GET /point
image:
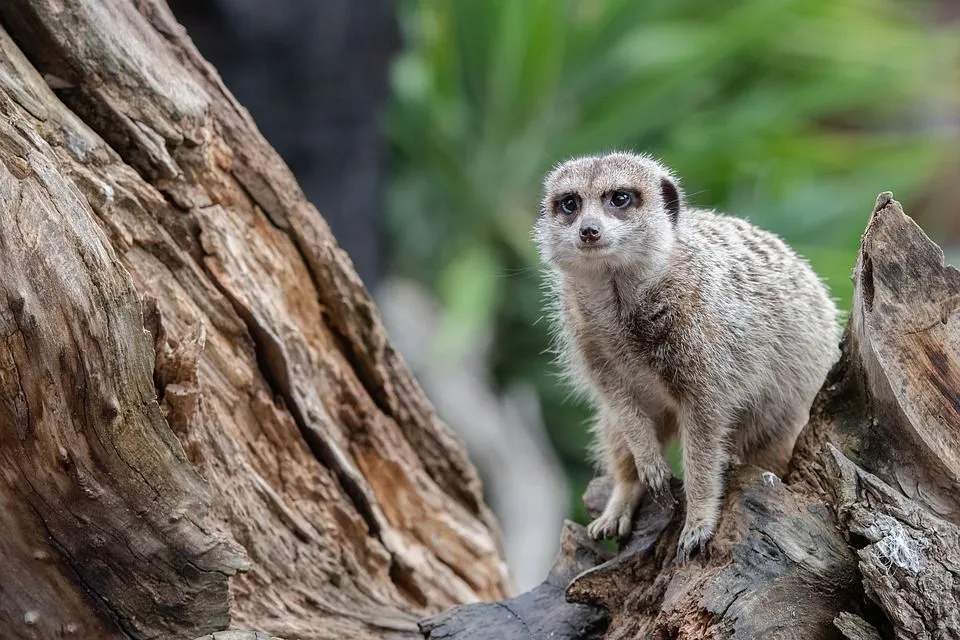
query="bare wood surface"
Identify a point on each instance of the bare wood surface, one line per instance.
(860, 540)
(540, 613)
(202, 423)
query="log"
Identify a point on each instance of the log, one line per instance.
(539, 613)
(203, 426)
(860, 540)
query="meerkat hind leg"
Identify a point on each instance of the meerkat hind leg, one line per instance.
(705, 459)
(617, 517)
(777, 431)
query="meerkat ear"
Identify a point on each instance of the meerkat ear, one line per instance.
(671, 198)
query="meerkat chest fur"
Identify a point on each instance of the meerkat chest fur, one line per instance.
(615, 327)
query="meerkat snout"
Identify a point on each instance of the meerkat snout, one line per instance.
(678, 321)
(590, 231)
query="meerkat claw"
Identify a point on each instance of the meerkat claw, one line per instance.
(601, 528)
(693, 540)
(608, 525)
(655, 477)
(617, 518)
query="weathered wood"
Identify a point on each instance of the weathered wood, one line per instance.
(903, 385)
(908, 558)
(239, 635)
(860, 540)
(202, 423)
(773, 545)
(540, 613)
(853, 627)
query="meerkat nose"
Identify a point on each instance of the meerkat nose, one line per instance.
(589, 232)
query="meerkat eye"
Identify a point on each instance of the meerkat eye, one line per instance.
(621, 199)
(569, 204)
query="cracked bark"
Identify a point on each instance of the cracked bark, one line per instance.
(860, 540)
(202, 424)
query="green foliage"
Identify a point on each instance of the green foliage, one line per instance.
(791, 113)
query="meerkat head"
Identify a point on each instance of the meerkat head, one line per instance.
(618, 209)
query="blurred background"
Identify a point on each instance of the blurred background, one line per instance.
(421, 130)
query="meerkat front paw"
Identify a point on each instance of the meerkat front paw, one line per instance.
(655, 476)
(693, 539)
(617, 518)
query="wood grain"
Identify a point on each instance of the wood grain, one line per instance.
(202, 422)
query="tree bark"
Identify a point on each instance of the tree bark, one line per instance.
(202, 424)
(860, 540)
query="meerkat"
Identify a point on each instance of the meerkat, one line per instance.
(677, 321)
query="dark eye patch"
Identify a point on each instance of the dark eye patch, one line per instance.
(621, 199)
(568, 205)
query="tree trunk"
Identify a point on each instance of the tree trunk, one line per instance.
(202, 424)
(860, 540)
